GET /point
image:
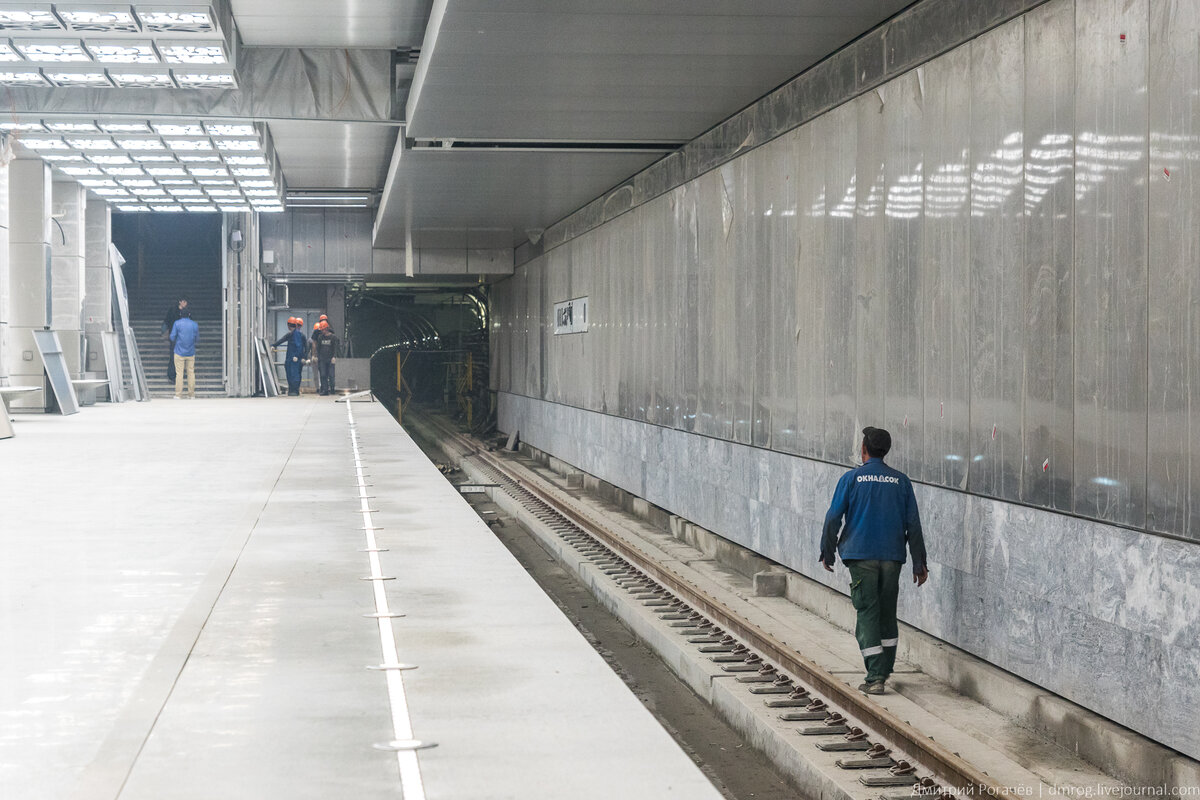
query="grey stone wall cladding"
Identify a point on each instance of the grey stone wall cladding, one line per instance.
(992, 291)
(1104, 616)
(1025, 331)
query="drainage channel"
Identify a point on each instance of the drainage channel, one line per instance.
(883, 751)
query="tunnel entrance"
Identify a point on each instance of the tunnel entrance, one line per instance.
(426, 346)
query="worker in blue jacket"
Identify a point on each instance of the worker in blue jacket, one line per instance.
(297, 350)
(880, 512)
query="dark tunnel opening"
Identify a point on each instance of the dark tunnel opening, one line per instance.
(427, 347)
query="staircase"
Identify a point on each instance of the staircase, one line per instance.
(210, 354)
(151, 296)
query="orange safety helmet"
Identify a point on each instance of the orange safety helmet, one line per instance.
(300, 321)
(324, 318)
(291, 320)
(324, 325)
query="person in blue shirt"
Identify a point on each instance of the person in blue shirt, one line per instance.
(880, 513)
(184, 335)
(297, 350)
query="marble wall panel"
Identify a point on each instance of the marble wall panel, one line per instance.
(1102, 615)
(1047, 424)
(997, 222)
(1173, 485)
(1111, 115)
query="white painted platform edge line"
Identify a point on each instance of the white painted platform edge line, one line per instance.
(411, 784)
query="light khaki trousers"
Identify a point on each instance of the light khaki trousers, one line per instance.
(185, 364)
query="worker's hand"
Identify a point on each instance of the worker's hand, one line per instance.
(828, 567)
(333, 361)
(919, 578)
(294, 358)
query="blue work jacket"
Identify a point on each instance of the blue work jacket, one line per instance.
(880, 512)
(184, 333)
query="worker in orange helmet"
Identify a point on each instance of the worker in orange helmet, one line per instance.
(327, 348)
(297, 346)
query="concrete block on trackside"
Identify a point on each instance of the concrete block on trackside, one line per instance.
(770, 584)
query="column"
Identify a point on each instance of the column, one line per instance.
(4, 279)
(29, 185)
(67, 250)
(97, 298)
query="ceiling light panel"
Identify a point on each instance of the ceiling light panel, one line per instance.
(67, 78)
(52, 51)
(141, 79)
(203, 164)
(71, 126)
(140, 144)
(222, 129)
(91, 143)
(98, 19)
(193, 53)
(24, 77)
(123, 52)
(178, 128)
(110, 160)
(35, 17)
(123, 127)
(8, 54)
(204, 80)
(192, 19)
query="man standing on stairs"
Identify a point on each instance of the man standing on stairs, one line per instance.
(167, 324)
(881, 516)
(184, 334)
(297, 350)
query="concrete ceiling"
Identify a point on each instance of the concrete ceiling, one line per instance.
(490, 198)
(333, 155)
(382, 24)
(620, 70)
(587, 74)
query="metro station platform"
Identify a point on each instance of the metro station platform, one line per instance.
(182, 611)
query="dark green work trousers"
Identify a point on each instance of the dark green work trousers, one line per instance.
(874, 587)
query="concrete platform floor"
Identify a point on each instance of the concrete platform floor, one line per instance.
(181, 616)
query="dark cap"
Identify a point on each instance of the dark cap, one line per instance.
(186, 311)
(877, 441)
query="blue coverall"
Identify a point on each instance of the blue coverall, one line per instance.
(297, 347)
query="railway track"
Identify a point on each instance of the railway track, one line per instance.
(885, 751)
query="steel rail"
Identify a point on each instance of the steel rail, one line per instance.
(944, 764)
